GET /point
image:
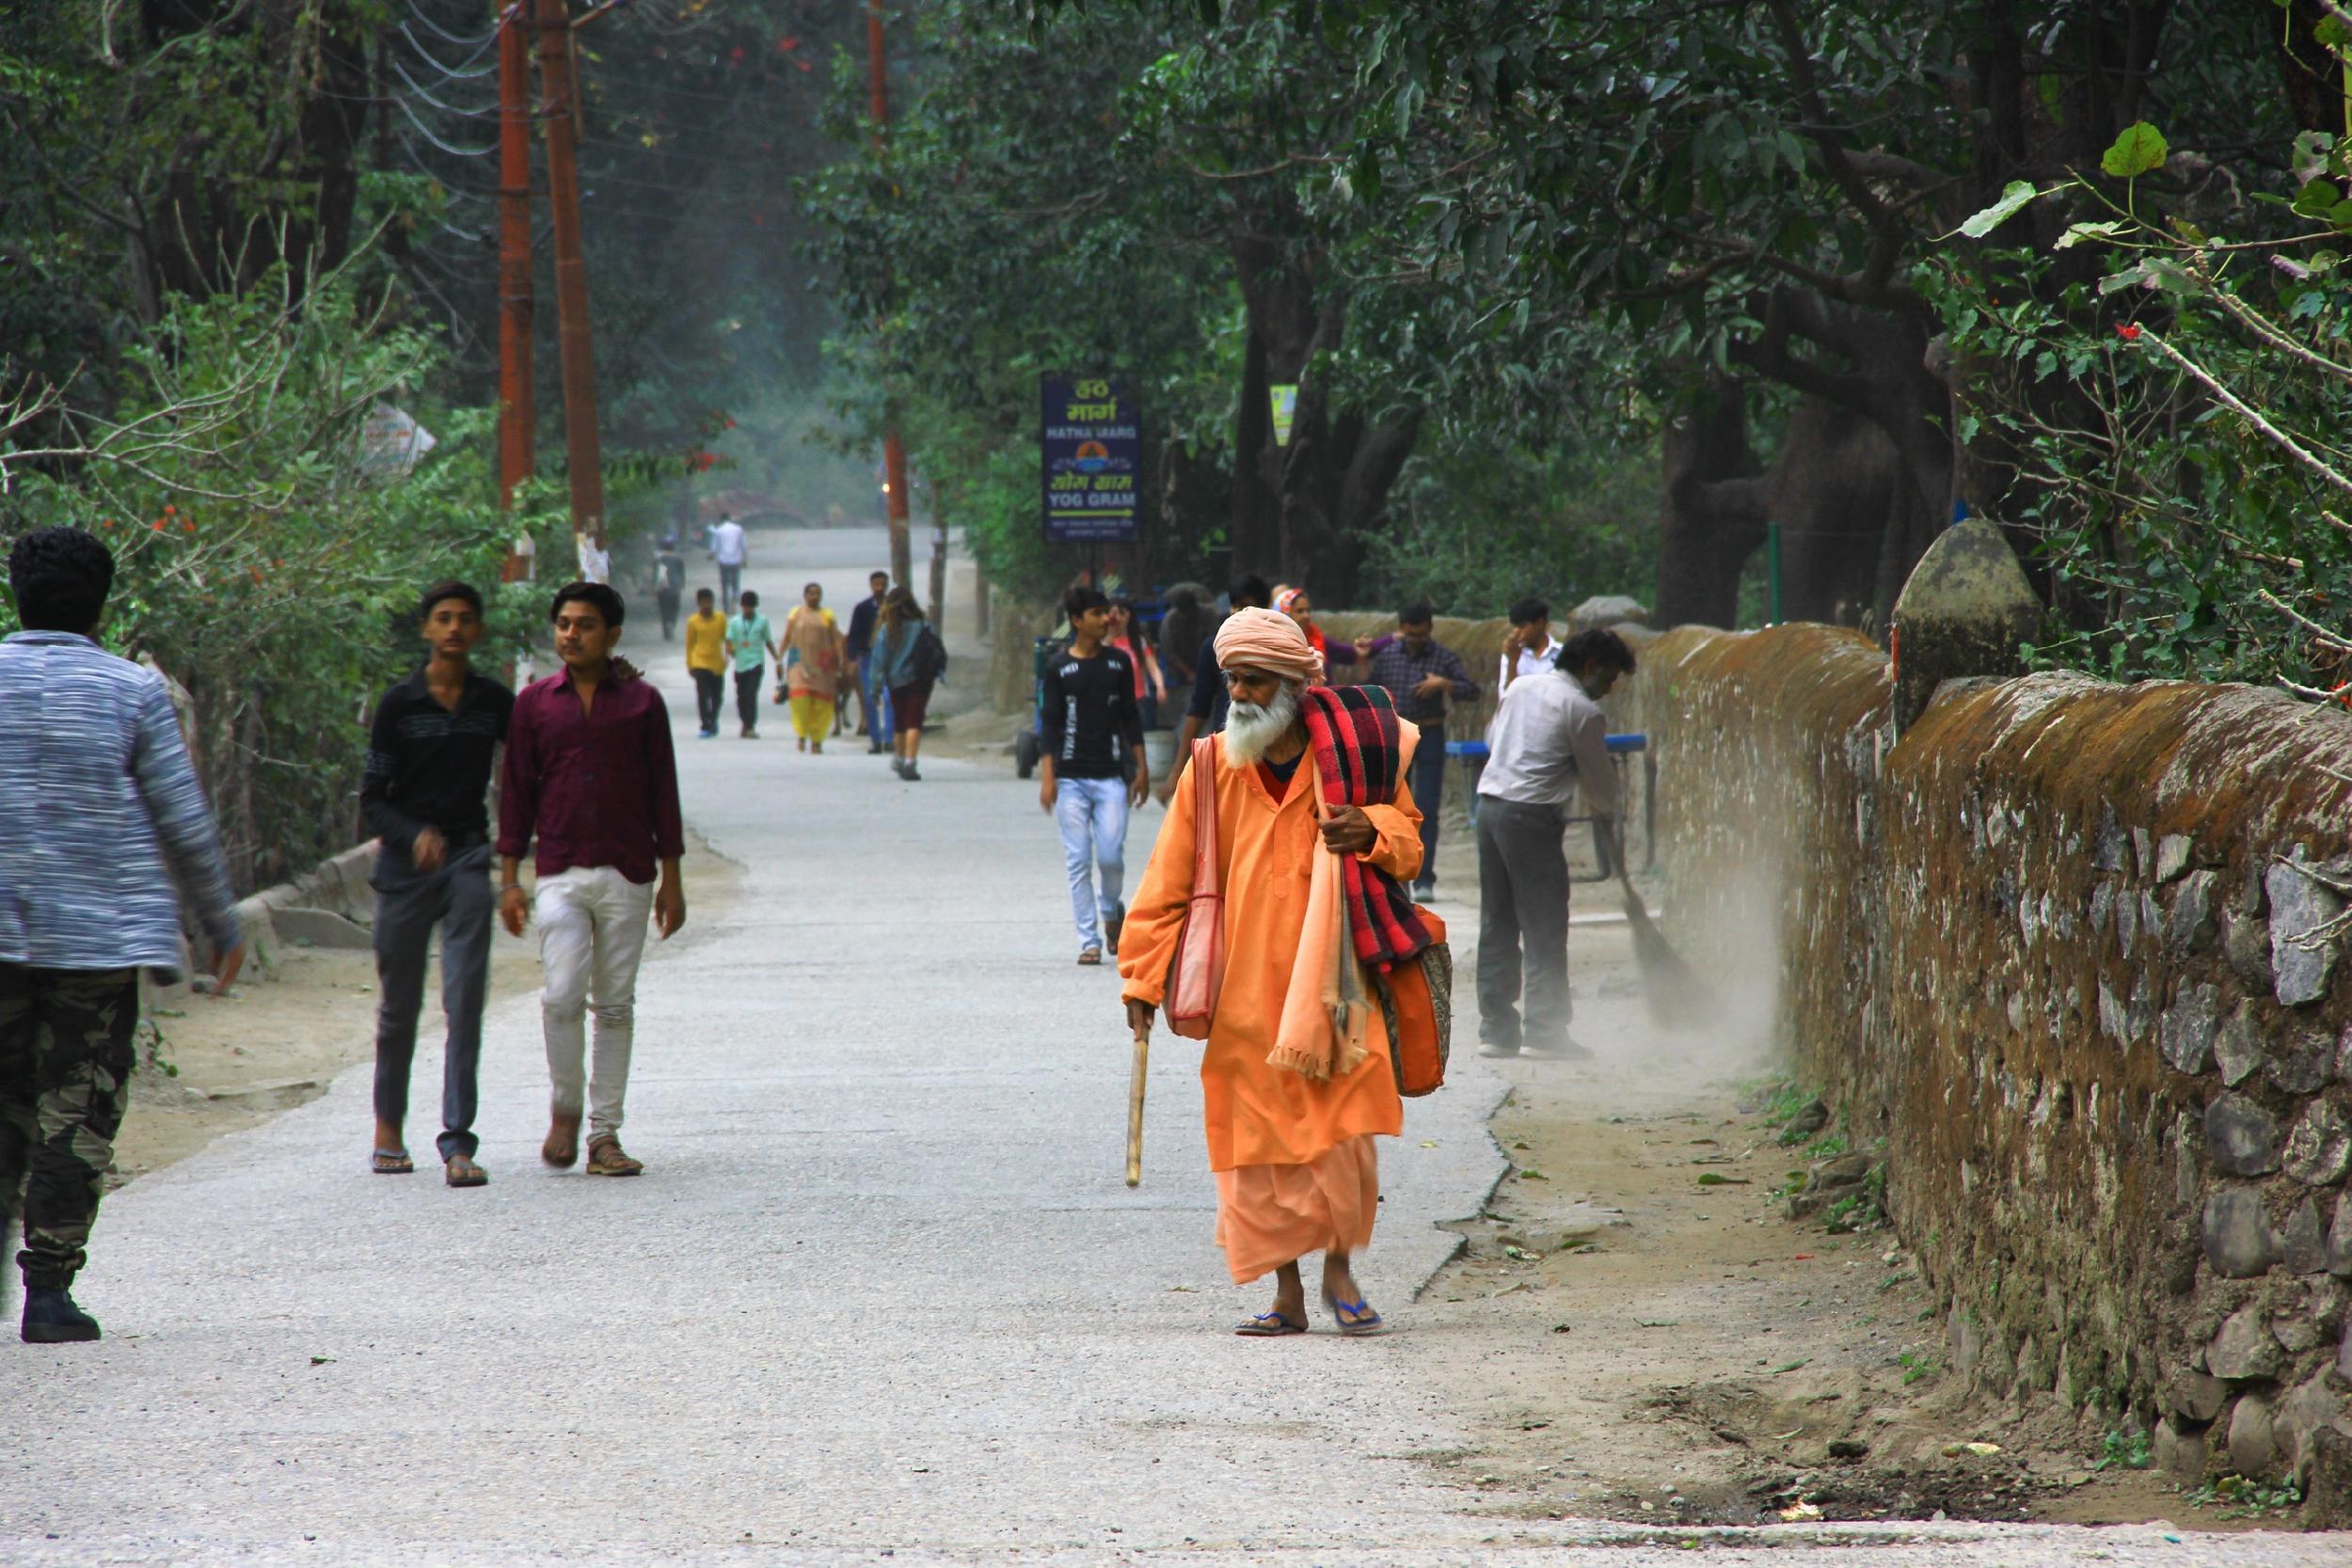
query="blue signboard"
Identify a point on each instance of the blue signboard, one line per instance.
(1092, 450)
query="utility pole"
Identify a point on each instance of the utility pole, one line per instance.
(517, 399)
(583, 453)
(894, 450)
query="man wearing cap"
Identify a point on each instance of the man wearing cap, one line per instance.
(1295, 1088)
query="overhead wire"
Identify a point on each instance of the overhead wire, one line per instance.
(491, 112)
(458, 71)
(442, 32)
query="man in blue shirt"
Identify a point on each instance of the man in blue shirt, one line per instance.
(98, 797)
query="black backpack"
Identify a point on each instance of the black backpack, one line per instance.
(929, 657)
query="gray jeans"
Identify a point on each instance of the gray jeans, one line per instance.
(409, 904)
(1522, 905)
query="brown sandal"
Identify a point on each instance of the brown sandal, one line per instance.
(562, 1149)
(460, 1171)
(607, 1158)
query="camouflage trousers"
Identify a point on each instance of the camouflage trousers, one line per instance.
(66, 1053)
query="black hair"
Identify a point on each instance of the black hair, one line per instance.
(60, 578)
(1082, 599)
(1529, 609)
(702, 594)
(748, 599)
(1418, 614)
(1250, 590)
(597, 596)
(449, 589)
(878, 572)
(1596, 645)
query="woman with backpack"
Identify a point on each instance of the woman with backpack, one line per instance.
(909, 659)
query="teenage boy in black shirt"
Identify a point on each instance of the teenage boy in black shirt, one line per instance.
(435, 737)
(1090, 714)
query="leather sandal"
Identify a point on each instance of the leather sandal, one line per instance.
(562, 1149)
(607, 1158)
(459, 1170)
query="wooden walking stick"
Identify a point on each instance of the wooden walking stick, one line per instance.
(1134, 1105)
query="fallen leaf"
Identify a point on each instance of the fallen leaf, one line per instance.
(1563, 1328)
(1982, 1450)
(1185, 1290)
(1798, 1511)
(1656, 1323)
(1792, 1366)
(1710, 1178)
(1429, 1143)
(320, 1360)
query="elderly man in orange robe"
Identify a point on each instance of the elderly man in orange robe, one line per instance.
(1296, 1074)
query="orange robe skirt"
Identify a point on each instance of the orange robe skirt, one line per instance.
(1294, 1156)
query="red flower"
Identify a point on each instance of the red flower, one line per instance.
(157, 525)
(186, 527)
(2128, 331)
(169, 509)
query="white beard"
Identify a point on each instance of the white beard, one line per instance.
(1250, 728)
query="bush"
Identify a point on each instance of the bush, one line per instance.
(264, 561)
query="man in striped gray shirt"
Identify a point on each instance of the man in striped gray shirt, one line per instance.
(99, 813)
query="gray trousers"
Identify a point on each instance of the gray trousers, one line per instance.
(1522, 906)
(409, 904)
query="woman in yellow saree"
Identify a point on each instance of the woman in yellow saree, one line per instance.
(812, 662)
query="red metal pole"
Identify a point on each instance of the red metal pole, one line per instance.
(893, 450)
(518, 397)
(583, 452)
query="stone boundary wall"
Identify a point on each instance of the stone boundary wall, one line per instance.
(2071, 950)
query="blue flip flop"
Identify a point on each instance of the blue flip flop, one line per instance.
(1269, 1325)
(1361, 1319)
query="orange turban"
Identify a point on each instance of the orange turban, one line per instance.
(1264, 639)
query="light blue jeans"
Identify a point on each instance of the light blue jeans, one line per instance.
(1092, 814)
(877, 702)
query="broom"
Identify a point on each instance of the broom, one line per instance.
(1677, 998)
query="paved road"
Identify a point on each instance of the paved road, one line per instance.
(880, 1291)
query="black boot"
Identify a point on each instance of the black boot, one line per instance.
(52, 1318)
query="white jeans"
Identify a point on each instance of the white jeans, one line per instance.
(1092, 815)
(591, 936)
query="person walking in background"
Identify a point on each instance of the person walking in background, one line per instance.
(730, 549)
(706, 661)
(813, 665)
(873, 705)
(1090, 733)
(1292, 602)
(751, 644)
(909, 659)
(423, 793)
(669, 581)
(592, 779)
(1294, 1089)
(1206, 714)
(1548, 738)
(97, 799)
(1144, 664)
(1420, 675)
(1528, 649)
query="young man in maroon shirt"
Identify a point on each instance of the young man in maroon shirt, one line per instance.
(591, 775)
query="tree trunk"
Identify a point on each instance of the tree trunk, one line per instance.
(1303, 507)
(1712, 517)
